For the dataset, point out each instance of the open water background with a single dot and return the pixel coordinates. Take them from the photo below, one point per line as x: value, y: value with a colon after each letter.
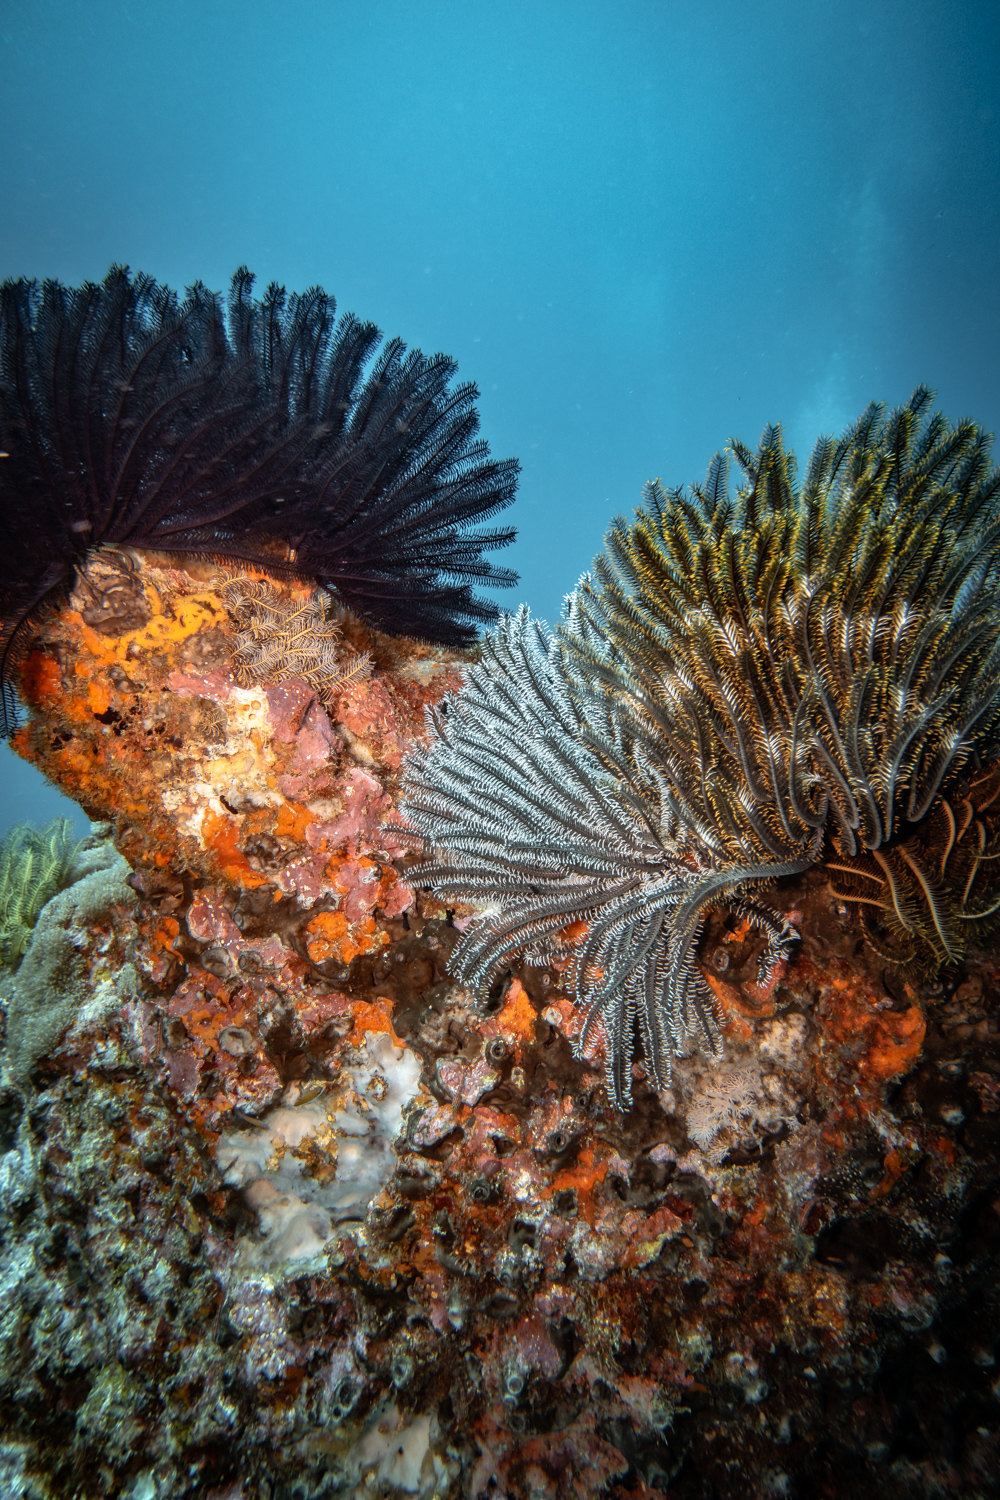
x: 641, y: 226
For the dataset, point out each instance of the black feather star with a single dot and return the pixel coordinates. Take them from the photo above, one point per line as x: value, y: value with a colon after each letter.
x: 747, y: 685
x: 266, y: 432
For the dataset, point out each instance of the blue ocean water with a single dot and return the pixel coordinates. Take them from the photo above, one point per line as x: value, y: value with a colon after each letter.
x: 641, y: 226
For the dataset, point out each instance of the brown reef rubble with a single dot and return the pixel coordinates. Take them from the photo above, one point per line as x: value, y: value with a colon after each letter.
x: 290, y: 1213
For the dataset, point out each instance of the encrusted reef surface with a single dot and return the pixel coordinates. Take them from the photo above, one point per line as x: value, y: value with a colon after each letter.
x: 288, y: 1213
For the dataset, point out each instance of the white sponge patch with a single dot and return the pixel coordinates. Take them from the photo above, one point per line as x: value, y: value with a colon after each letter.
x: 307, y: 1169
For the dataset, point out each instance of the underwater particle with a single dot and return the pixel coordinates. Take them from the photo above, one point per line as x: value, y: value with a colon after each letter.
x: 278, y: 638
x: 265, y: 431
x: 744, y: 685
x: 35, y: 863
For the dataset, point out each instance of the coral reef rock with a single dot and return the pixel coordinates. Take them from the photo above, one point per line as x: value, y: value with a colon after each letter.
x: 287, y: 1212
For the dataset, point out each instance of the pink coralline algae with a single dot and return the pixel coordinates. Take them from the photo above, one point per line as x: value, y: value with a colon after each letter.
x: 291, y: 1213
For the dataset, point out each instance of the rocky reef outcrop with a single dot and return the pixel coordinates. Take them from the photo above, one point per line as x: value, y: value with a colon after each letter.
x: 287, y: 1212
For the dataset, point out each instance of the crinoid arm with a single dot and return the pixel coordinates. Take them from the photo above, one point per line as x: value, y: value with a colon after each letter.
x: 930, y: 898
x: 35, y: 863
x: 745, y: 684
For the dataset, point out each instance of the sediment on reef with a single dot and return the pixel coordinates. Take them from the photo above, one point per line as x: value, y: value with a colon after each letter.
x: 287, y: 1212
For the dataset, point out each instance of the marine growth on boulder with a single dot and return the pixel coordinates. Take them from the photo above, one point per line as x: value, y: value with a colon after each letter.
x: 566, y: 1064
